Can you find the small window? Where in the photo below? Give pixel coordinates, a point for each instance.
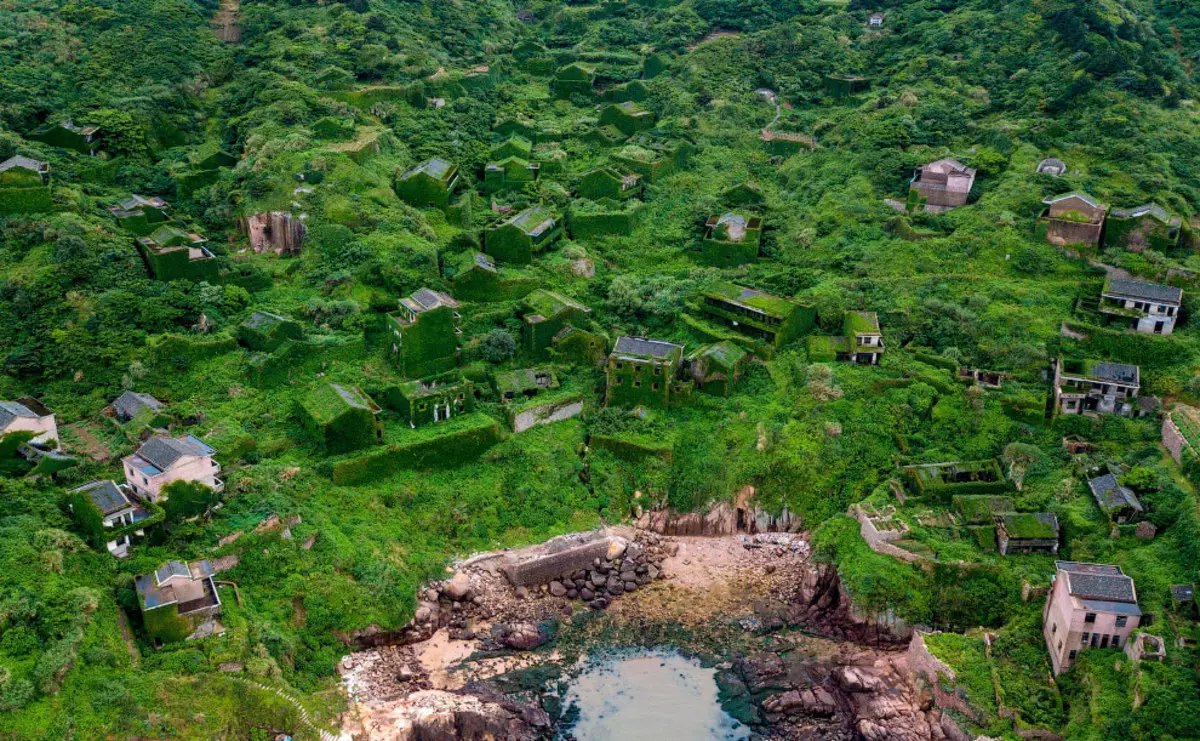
(1083, 639)
(1104, 642)
(1090, 617)
(1071, 656)
(1054, 629)
(1121, 620)
(620, 366)
(657, 370)
(422, 407)
(654, 387)
(637, 383)
(1116, 642)
(617, 381)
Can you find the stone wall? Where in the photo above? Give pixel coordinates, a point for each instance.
(1173, 440)
(878, 541)
(275, 231)
(546, 568)
(721, 519)
(925, 664)
(546, 413)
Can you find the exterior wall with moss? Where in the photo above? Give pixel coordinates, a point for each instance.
(459, 445)
(422, 191)
(585, 225)
(580, 346)
(728, 254)
(25, 200)
(426, 347)
(175, 265)
(638, 383)
(352, 428)
(1145, 232)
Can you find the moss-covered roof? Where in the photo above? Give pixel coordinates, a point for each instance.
(525, 379)
(548, 305)
(861, 322)
(725, 353)
(765, 302)
(1031, 525)
(327, 402)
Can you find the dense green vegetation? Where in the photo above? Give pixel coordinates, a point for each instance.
(320, 106)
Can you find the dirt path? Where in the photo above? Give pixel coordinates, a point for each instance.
(227, 24)
(127, 636)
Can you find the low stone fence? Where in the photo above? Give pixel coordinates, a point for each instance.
(550, 566)
(1173, 439)
(880, 541)
(546, 413)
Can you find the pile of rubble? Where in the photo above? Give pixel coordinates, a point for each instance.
(628, 568)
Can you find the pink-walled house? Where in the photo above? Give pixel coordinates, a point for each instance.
(28, 415)
(1089, 606)
(163, 459)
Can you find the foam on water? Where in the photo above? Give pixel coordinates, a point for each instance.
(659, 697)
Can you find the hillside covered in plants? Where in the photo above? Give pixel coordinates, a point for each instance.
(402, 281)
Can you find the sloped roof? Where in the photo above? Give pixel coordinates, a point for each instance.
(436, 168)
(646, 348)
(130, 403)
(1074, 194)
(10, 410)
(1141, 290)
(162, 452)
(106, 495)
(425, 299)
(1097, 581)
(24, 162)
(1110, 494)
(1147, 209)
(1114, 372)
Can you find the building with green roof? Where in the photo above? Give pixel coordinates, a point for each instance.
(716, 368)
(628, 117)
(860, 342)
(571, 79)
(265, 331)
(1147, 226)
(83, 138)
(476, 277)
(139, 214)
(513, 146)
(731, 239)
(424, 334)
(340, 418)
(429, 184)
(525, 383)
(642, 372)
(24, 186)
(610, 183)
(759, 315)
(1027, 532)
(651, 164)
(516, 240)
(545, 314)
(173, 254)
(431, 400)
(510, 172)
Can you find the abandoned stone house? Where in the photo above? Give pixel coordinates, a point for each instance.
(163, 459)
(432, 400)
(571, 79)
(732, 239)
(1027, 532)
(951, 479)
(861, 341)
(139, 214)
(131, 404)
(173, 253)
(29, 415)
(117, 508)
(517, 239)
(1115, 500)
(1088, 606)
(177, 599)
(642, 371)
(429, 184)
(525, 383)
(265, 331)
(1096, 387)
(944, 184)
(608, 182)
(716, 368)
(1072, 218)
(627, 117)
(23, 171)
(425, 333)
(275, 231)
(1150, 308)
(24, 186)
(769, 319)
(340, 418)
(1052, 166)
(68, 135)
(510, 172)
(544, 315)
(1146, 226)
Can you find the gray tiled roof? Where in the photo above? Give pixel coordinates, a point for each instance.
(1116, 372)
(162, 451)
(130, 404)
(1110, 494)
(170, 569)
(1182, 592)
(24, 162)
(10, 410)
(106, 495)
(1146, 291)
(658, 349)
(1097, 582)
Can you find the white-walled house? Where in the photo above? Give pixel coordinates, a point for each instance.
(28, 415)
(118, 508)
(163, 459)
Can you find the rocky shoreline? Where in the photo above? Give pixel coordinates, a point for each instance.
(488, 656)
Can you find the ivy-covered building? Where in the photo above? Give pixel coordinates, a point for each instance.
(580, 346)
(545, 314)
(842, 86)
(731, 239)
(947, 481)
(139, 214)
(642, 371)
(24, 186)
(68, 135)
(111, 515)
(525, 383)
(132, 404)
(603, 218)
(478, 278)
(341, 418)
(177, 599)
(627, 117)
(769, 319)
(1149, 226)
(510, 172)
(265, 331)
(715, 368)
(432, 400)
(1093, 387)
(515, 240)
(1027, 532)
(513, 146)
(571, 79)
(1072, 218)
(610, 183)
(860, 342)
(429, 184)
(173, 254)
(424, 334)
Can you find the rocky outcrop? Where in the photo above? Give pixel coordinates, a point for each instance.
(820, 603)
(435, 715)
(275, 231)
(721, 519)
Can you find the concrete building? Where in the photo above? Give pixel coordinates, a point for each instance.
(642, 371)
(1150, 308)
(117, 508)
(1088, 606)
(1072, 218)
(177, 599)
(944, 184)
(28, 415)
(425, 333)
(163, 459)
(1092, 388)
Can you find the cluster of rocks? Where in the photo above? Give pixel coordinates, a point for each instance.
(628, 568)
(434, 715)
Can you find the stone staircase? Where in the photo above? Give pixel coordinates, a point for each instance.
(323, 734)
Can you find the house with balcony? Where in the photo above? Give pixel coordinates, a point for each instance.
(642, 371)
(1089, 605)
(29, 415)
(861, 341)
(1072, 218)
(163, 459)
(424, 333)
(139, 214)
(432, 400)
(516, 240)
(768, 319)
(1093, 387)
(944, 184)
(177, 599)
(731, 239)
(1150, 308)
(110, 513)
(429, 184)
(1141, 227)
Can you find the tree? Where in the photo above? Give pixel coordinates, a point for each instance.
(497, 346)
(186, 499)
